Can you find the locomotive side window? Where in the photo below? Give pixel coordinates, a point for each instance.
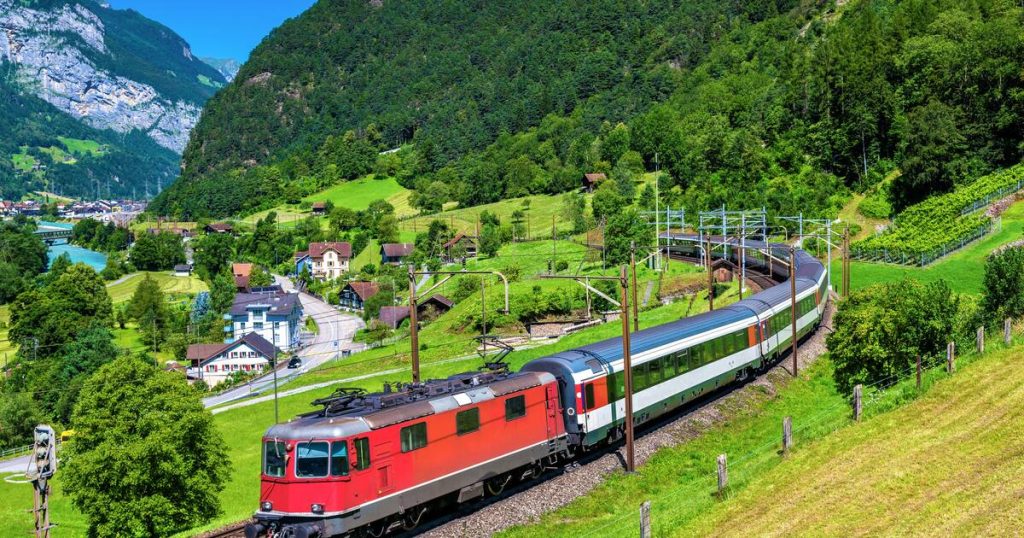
(273, 458)
(362, 448)
(414, 437)
(339, 458)
(311, 459)
(515, 407)
(467, 421)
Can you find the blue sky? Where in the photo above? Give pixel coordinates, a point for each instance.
(219, 28)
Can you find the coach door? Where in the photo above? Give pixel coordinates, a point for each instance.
(551, 406)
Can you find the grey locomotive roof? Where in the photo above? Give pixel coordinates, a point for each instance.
(370, 418)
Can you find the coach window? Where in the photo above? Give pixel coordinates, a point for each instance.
(414, 437)
(588, 396)
(362, 448)
(515, 407)
(339, 458)
(311, 460)
(467, 421)
(654, 372)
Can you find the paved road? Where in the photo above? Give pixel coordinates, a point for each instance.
(336, 332)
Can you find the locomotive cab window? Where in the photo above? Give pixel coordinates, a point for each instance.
(467, 421)
(414, 437)
(311, 459)
(515, 407)
(339, 458)
(273, 458)
(362, 448)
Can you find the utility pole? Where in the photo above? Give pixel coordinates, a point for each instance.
(657, 227)
(846, 262)
(414, 337)
(792, 302)
(632, 268)
(743, 252)
(554, 243)
(45, 445)
(627, 366)
(273, 337)
(711, 278)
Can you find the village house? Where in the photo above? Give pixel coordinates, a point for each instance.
(355, 294)
(183, 270)
(459, 248)
(395, 253)
(326, 261)
(434, 306)
(184, 233)
(592, 181)
(219, 228)
(274, 315)
(242, 272)
(319, 208)
(213, 363)
(392, 316)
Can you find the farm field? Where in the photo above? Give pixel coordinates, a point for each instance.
(172, 286)
(932, 462)
(538, 213)
(356, 195)
(964, 269)
(6, 347)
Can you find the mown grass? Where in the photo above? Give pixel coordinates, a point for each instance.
(355, 195)
(81, 147)
(173, 286)
(947, 464)
(903, 468)
(23, 161)
(6, 347)
(537, 216)
(964, 270)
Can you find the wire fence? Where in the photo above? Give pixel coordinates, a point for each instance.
(921, 259)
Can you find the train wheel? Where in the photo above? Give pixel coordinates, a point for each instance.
(497, 484)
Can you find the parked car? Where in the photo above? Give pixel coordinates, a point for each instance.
(295, 362)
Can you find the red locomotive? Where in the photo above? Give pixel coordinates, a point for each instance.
(369, 462)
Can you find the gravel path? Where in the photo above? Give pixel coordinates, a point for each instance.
(547, 496)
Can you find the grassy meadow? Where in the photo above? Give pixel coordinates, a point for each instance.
(175, 288)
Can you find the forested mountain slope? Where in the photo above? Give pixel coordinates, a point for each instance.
(131, 84)
(786, 105)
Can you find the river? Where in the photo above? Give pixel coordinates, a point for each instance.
(94, 259)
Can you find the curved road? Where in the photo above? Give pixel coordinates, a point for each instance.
(336, 332)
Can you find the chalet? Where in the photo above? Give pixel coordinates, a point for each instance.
(354, 294)
(183, 270)
(242, 272)
(319, 208)
(434, 306)
(326, 260)
(591, 181)
(219, 228)
(213, 363)
(459, 248)
(392, 316)
(275, 316)
(395, 253)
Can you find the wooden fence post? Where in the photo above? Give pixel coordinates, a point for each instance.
(858, 392)
(1007, 333)
(645, 520)
(787, 435)
(723, 475)
(981, 339)
(951, 357)
(918, 371)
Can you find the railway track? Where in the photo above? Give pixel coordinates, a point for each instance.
(235, 530)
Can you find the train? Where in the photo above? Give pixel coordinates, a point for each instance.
(366, 464)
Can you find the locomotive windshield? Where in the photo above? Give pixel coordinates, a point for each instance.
(311, 460)
(273, 458)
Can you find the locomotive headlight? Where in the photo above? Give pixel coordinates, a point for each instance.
(266, 506)
(317, 508)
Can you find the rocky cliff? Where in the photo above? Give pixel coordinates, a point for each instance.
(110, 69)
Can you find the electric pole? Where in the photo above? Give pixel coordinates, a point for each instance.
(627, 368)
(45, 456)
(792, 302)
(632, 268)
(414, 337)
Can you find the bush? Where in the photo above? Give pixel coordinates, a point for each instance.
(561, 265)
(875, 206)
